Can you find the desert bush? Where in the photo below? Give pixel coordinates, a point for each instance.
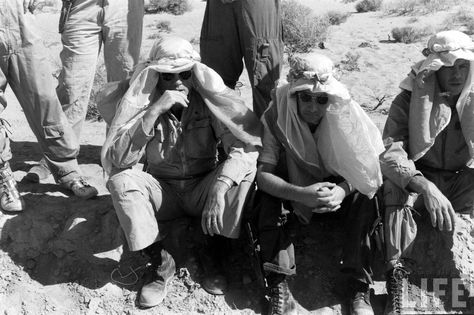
(368, 5)
(337, 17)
(462, 20)
(302, 30)
(350, 62)
(163, 26)
(408, 34)
(410, 7)
(176, 7)
(100, 78)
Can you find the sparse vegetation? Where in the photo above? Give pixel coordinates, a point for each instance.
(176, 7)
(350, 62)
(411, 7)
(100, 78)
(337, 17)
(409, 34)
(368, 5)
(302, 30)
(462, 20)
(164, 26)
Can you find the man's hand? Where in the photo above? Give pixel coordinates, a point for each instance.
(439, 207)
(311, 195)
(30, 5)
(168, 100)
(332, 202)
(211, 221)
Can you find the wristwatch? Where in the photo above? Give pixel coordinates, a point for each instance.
(226, 180)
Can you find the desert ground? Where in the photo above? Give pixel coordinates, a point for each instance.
(64, 255)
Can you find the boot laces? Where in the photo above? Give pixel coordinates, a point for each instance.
(8, 185)
(279, 295)
(395, 286)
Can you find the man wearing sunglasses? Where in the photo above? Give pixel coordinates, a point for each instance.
(175, 113)
(314, 139)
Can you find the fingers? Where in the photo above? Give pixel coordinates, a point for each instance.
(440, 217)
(433, 218)
(449, 218)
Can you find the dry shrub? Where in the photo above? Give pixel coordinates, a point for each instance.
(462, 20)
(350, 62)
(337, 17)
(411, 7)
(368, 5)
(302, 30)
(176, 7)
(164, 26)
(408, 34)
(100, 78)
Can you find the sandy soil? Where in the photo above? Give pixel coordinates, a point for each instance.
(64, 255)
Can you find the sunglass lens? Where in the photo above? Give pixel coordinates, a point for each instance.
(185, 75)
(305, 97)
(167, 76)
(323, 100)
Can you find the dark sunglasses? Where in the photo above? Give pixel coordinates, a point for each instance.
(185, 75)
(320, 98)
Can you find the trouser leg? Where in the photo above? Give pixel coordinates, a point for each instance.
(142, 204)
(275, 235)
(399, 226)
(235, 201)
(28, 72)
(220, 42)
(261, 42)
(360, 214)
(81, 41)
(122, 35)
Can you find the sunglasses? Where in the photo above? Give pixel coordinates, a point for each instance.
(320, 98)
(185, 75)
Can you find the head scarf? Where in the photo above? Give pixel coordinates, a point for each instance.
(426, 120)
(171, 54)
(346, 142)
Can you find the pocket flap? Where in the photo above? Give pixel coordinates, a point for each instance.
(54, 131)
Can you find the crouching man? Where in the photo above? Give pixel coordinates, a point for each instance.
(175, 113)
(319, 149)
(429, 150)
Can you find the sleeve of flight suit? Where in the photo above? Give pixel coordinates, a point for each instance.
(394, 161)
(129, 146)
(241, 158)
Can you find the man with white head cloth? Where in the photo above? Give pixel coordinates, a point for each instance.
(320, 154)
(175, 113)
(429, 150)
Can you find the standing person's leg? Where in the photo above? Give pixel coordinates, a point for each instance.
(261, 42)
(30, 78)
(122, 33)
(143, 205)
(81, 39)
(220, 43)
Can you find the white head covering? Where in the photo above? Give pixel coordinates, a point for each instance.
(443, 49)
(171, 54)
(346, 142)
(425, 123)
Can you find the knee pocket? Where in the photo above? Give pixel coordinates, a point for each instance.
(121, 185)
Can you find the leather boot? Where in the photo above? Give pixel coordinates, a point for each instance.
(10, 199)
(157, 277)
(360, 299)
(281, 301)
(396, 279)
(212, 257)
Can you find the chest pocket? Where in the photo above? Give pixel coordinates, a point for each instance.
(200, 140)
(155, 149)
